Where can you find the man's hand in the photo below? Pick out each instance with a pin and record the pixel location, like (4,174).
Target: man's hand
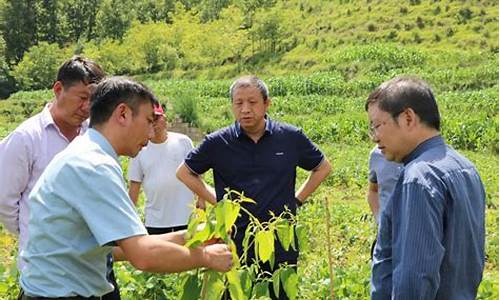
(218,257)
(200,203)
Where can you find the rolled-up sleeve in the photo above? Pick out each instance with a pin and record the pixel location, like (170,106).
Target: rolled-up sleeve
(418,249)
(14,176)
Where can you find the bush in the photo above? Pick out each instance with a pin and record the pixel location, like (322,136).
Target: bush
(185,104)
(38,67)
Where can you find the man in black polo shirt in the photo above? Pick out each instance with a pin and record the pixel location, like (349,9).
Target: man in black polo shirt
(257,156)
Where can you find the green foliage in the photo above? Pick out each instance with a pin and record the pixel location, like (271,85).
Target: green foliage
(114,18)
(18,28)
(185,103)
(39,65)
(215,223)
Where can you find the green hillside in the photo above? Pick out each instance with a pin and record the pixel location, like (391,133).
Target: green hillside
(221,39)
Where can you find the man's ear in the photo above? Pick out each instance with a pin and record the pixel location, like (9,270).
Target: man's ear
(409,118)
(121,114)
(268,103)
(57,88)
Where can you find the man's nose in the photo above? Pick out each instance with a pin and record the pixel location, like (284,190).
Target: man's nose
(245,107)
(85,105)
(374,138)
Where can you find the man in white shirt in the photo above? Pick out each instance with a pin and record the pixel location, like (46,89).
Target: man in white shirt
(26,151)
(168,201)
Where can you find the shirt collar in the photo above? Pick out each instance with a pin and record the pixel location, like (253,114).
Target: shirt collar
(46,117)
(100,140)
(422,147)
(268,127)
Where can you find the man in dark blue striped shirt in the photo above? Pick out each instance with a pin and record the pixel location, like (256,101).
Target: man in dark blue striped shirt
(431,235)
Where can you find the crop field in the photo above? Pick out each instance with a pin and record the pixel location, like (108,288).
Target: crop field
(329,106)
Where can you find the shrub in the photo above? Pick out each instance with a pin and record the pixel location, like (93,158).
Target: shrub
(38,66)
(185,104)
(371,27)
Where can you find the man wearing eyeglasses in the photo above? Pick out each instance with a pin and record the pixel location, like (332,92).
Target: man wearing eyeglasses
(430,242)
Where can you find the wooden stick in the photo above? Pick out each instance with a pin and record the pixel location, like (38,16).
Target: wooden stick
(329,245)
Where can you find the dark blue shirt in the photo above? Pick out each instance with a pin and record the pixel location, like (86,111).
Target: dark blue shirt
(431,235)
(264,171)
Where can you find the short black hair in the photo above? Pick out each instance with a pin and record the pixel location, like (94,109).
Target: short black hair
(79,69)
(115,90)
(402,92)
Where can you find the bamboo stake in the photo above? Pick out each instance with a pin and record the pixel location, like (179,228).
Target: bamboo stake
(329,245)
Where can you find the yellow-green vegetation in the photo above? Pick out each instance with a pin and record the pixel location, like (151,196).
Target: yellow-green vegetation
(219,39)
(320,59)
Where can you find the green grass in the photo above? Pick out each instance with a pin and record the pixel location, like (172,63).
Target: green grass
(329,105)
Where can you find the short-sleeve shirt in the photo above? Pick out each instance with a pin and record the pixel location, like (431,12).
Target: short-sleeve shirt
(384,173)
(79,208)
(168,201)
(265,171)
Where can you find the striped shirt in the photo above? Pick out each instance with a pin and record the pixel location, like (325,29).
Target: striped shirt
(431,235)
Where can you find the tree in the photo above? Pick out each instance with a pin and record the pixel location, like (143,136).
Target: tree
(46,19)
(18,27)
(154,10)
(210,10)
(114,18)
(6,81)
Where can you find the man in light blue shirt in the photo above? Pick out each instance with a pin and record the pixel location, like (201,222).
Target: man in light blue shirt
(81,209)
(430,242)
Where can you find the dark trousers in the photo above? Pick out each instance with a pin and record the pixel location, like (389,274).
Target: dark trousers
(110,275)
(162,230)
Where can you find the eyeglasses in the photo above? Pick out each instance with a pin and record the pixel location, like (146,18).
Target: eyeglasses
(373,129)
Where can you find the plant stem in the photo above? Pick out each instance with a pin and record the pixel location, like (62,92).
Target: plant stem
(329,245)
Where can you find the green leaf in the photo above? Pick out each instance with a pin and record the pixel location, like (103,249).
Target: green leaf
(226,213)
(261,289)
(199,237)
(276,281)
(231,211)
(247,200)
(291,286)
(291,234)
(248,234)
(246,279)
(290,281)
(301,232)
(265,243)
(283,231)
(220,223)
(215,286)
(235,286)
(191,287)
